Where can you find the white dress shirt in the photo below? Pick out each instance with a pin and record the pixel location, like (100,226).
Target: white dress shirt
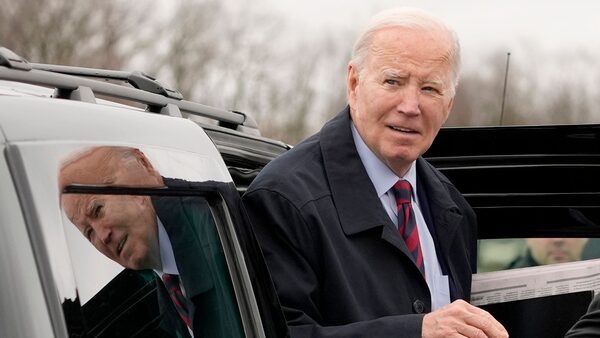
(383,178)
(167,257)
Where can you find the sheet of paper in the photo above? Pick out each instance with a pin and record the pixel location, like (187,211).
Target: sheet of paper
(538,281)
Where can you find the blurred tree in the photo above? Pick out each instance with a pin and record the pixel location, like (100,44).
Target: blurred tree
(230,55)
(83,33)
(571,94)
(534,94)
(479,96)
(233,55)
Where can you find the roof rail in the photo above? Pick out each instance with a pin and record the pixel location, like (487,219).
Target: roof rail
(78,83)
(138,80)
(9,59)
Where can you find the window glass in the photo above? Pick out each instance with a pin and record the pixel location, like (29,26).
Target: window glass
(502,254)
(149,236)
(171,276)
(39,166)
(119,291)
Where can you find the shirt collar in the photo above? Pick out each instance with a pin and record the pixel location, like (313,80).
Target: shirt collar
(381,175)
(166,250)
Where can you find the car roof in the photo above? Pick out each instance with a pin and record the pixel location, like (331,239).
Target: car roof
(46,119)
(109,98)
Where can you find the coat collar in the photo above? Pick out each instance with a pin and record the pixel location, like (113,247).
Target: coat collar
(444,216)
(358,206)
(176,213)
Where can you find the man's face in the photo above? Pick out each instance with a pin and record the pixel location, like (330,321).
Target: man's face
(403,95)
(121,227)
(556,250)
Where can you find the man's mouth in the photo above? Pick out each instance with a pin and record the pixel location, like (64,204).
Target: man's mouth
(121,245)
(404,130)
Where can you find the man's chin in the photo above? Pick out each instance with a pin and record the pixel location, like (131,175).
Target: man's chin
(404,153)
(561,259)
(142,262)
(137,264)
(400,162)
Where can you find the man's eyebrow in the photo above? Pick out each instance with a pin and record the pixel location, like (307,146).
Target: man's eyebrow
(89,207)
(436,82)
(74,216)
(393,73)
(435,79)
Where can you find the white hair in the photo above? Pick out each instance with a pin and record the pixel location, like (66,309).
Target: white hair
(410,18)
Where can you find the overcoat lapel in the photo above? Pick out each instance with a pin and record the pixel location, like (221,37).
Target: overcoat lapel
(443,220)
(184,241)
(194,273)
(358,206)
(445,214)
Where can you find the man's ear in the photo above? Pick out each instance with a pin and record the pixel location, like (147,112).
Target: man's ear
(145,163)
(142,159)
(352,85)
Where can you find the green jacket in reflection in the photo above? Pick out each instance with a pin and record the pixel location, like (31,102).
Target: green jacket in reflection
(523,261)
(201,263)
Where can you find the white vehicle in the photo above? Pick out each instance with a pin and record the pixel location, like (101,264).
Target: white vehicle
(55,283)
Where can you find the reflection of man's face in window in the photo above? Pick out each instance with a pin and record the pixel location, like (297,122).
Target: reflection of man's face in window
(122,227)
(556,250)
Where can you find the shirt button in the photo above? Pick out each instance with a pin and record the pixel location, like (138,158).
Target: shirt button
(418,306)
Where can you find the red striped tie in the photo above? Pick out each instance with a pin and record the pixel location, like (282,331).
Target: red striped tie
(172,285)
(407,224)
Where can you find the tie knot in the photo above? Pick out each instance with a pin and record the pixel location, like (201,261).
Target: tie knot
(403,191)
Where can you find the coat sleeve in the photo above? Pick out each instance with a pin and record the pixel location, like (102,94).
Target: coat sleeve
(292,252)
(589,324)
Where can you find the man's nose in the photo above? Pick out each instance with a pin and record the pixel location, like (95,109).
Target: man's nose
(103,231)
(409,103)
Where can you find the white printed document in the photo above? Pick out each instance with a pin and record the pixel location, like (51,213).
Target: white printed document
(539,281)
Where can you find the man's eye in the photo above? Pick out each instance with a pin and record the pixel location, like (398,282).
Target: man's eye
(391,82)
(88,233)
(96,211)
(431,90)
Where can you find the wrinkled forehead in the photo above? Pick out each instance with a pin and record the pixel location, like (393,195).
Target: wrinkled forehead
(74,206)
(399,43)
(93,167)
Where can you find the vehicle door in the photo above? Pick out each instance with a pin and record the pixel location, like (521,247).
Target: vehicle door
(90,251)
(531,187)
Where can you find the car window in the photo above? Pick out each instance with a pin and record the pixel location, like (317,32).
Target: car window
(104,283)
(136,301)
(167,241)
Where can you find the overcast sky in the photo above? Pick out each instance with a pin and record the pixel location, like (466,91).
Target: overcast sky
(550,25)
